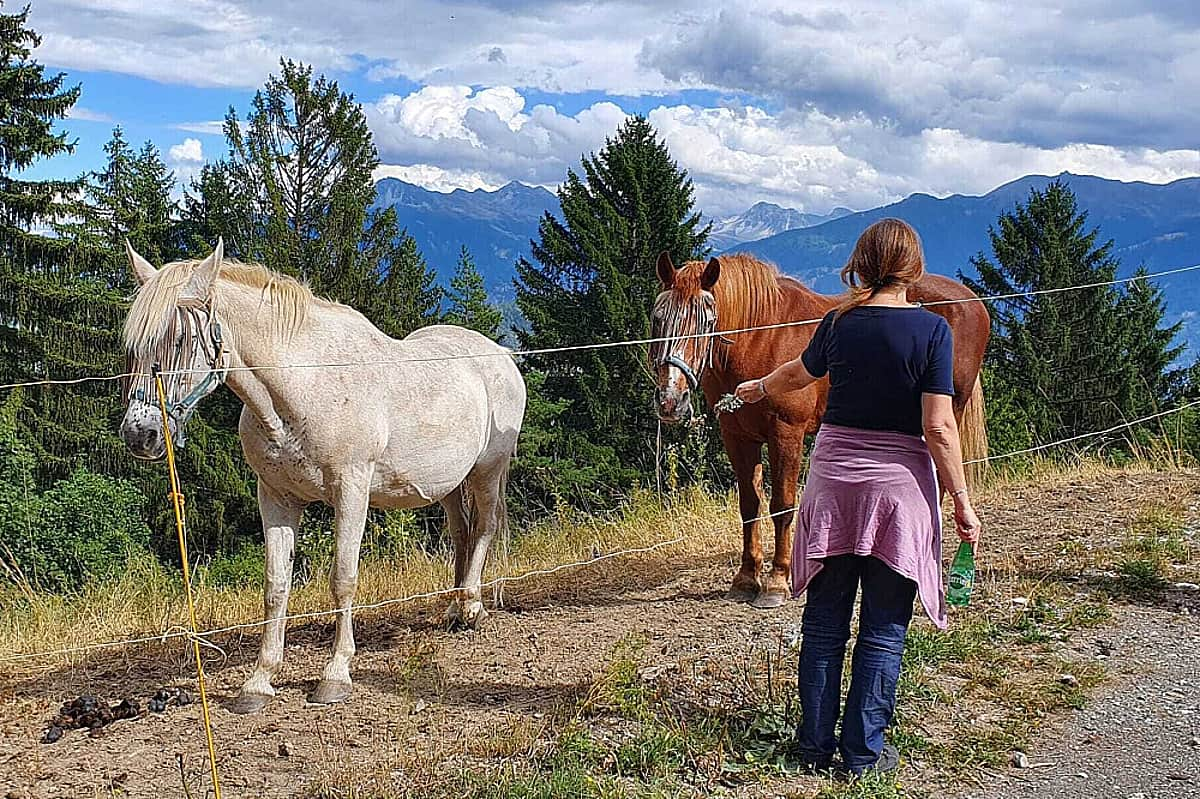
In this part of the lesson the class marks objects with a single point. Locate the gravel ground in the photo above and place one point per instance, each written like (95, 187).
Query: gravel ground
(1137, 739)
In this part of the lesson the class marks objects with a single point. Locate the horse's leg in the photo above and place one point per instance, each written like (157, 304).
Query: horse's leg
(746, 458)
(487, 515)
(785, 449)
(350, 517)
(279, 519)
(456, 526)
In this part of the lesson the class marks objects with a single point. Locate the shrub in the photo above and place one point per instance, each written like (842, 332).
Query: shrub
(84, 528)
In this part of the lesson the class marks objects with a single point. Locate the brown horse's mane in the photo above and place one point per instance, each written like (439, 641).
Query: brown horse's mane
(747, 292)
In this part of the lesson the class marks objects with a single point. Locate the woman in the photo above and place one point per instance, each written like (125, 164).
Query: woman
(870, 512)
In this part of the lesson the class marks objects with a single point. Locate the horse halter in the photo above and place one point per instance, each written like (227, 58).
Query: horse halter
(195, 333)
(670, 322)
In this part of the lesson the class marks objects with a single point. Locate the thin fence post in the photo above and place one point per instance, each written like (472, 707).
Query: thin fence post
(177, 504)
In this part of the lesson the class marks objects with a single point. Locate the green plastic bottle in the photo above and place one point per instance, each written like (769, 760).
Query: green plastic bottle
(962, 576)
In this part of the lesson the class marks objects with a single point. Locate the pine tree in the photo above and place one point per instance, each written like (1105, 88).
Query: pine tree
(214, 207)
(468, 298)
(30, 104)
(302, 164)
(1070, 362)
(130, 198)
(58, 318)
(593, 279)
(1151, 349)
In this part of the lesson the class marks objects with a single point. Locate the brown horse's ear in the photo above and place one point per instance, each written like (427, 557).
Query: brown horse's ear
(666, 269)
(712, 273)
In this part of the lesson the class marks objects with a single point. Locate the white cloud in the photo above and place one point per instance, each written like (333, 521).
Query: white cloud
(1054, 73)
(1059, 71)
(188, 151)
(435, 178)
(487, 134)
(452, 137)
(83, 114)
(186, 159)
(211, 128)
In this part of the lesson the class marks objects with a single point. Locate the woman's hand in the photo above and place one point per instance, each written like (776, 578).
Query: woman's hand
(751, 391)
(966, 520)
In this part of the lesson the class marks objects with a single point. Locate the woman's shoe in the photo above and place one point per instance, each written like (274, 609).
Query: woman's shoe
(887, 763)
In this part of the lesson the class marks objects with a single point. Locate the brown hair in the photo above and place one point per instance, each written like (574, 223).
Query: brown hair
(887, 253)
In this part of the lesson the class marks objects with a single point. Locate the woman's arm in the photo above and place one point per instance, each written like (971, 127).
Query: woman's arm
(941, 434)
(791, 376)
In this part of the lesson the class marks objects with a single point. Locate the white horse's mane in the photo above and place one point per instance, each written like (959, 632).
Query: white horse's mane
(153, 308)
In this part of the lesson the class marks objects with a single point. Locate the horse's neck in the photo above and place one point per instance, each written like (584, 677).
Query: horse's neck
(750, 353)
(252, 338)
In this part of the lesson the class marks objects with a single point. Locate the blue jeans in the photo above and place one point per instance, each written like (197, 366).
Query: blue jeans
(887, 608)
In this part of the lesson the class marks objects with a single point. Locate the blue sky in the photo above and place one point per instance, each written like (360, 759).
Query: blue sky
(808, 105)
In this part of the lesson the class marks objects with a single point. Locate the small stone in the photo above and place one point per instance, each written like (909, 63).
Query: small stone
(1019, 601)
(285, 749)
(420, 706)
(52, 734)
(1019, 760)
(1069, 680)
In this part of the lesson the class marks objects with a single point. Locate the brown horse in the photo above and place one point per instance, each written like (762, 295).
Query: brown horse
(735, 292)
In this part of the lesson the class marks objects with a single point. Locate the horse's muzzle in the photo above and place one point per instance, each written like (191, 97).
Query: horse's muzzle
(673, 406)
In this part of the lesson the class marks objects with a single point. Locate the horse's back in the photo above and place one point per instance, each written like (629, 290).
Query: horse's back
(969, 323)
(461, 353)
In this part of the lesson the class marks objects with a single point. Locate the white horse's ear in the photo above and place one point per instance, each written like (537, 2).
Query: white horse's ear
(200, 285)
(142, 269)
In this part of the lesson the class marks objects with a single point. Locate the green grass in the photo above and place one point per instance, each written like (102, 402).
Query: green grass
(871, 786)
(1155, 541)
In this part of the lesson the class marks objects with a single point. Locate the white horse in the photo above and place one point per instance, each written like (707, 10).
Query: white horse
(431, 418)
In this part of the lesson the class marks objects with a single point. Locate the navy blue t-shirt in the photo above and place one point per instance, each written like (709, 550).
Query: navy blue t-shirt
(880, 361)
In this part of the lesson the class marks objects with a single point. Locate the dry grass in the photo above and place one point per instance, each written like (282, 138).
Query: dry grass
(148, 599)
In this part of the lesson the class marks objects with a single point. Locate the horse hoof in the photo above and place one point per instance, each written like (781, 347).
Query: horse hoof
(458, 619)
(742, 594)
(245, 703)
(769, 600)
(329, 692)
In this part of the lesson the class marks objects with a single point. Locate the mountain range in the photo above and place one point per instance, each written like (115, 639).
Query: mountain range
(1151, 225)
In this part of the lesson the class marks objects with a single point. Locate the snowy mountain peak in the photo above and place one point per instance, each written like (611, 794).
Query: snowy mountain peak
(764, 219)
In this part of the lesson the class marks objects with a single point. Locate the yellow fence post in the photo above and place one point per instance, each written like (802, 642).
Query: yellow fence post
(177, 503)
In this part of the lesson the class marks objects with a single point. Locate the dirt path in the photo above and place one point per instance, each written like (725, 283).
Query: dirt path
(1139, 736)
(427, 701)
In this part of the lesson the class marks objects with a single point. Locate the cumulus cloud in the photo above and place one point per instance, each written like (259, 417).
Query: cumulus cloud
(446, 137)
(186, 159)
(435, 178)
(188, 151)
(488, 133)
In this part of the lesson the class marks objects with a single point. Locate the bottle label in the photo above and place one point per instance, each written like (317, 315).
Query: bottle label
(959, 582)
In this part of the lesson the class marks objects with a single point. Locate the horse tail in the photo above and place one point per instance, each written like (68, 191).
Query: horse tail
(973, 432)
